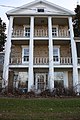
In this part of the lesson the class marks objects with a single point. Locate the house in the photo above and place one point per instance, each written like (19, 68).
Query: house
(41, 51)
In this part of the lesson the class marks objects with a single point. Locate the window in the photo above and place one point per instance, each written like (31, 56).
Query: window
(40, 10)
(25, 55)
(58, 79)
(56, 54)
(21, 81)
(27, 32)
(55, 31)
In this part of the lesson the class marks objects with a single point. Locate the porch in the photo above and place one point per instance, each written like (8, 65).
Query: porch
(42, 61)
(40, 33)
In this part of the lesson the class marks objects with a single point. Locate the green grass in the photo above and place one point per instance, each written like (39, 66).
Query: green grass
(40, 109)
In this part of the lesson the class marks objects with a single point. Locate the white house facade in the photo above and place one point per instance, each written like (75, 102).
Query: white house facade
(40, 50)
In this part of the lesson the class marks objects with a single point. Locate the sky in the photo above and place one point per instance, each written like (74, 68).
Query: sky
(69, 4)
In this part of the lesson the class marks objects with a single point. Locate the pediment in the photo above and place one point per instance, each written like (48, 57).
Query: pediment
(31, 9)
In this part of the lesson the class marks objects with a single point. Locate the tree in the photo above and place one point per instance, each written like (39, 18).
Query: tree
(77, 22)
(2, 34)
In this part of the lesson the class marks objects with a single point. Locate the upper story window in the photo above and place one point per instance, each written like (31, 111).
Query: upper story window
(27, 31)
(56, 54)
(25, 54)
(54, 31)
(40, 10)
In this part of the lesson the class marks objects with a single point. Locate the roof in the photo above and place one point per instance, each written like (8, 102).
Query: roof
(30, 9)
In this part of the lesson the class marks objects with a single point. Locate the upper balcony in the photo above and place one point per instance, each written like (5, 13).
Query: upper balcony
(42, 61)
(60, 33)
(21, 28)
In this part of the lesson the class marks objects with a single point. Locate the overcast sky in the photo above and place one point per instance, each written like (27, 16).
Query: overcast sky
(69, 4)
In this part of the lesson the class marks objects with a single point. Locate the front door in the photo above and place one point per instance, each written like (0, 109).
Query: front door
(40, 81)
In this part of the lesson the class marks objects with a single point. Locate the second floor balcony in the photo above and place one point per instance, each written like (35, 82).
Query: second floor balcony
(61, 33)
(42, 61)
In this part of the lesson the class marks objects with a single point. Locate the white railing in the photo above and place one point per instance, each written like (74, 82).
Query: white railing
(63, 33)
(41, 60)
(16, 60)
(18, 33)
(44, 60)
(59, 61)
(40, 33)
(66, 60)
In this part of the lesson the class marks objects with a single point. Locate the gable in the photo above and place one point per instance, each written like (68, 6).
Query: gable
(32, 9)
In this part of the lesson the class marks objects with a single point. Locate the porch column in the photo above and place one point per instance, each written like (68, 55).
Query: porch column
(7, 54)
(51, 67)
(30, 81)
(74, 54)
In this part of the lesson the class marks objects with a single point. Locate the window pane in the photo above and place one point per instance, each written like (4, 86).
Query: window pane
(26, 51)
(27, 32)
(25, 54)
(54, 32)
(55, 51)
(58, 79)
(58, 84)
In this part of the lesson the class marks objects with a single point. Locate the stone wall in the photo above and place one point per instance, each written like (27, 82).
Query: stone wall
(65, 51)
(41, 51)
(16, 51)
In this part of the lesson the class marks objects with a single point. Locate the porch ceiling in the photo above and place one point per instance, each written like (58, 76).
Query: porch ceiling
(41, 42)
(61, 42)
(21, 21)
(39, 21)
(20, 42)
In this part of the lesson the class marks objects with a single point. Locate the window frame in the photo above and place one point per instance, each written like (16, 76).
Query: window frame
(59, 78)
(58, 54)
(56, 27)
(23, 48)
(26, 32)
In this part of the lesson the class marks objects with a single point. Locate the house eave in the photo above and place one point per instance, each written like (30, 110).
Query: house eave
(23, 15)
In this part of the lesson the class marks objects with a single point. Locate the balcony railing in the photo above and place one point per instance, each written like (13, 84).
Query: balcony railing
(43, 61)
(40, 33)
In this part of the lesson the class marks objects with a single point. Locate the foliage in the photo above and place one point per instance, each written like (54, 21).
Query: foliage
(2, 34)
(40, 109)
(77, 22)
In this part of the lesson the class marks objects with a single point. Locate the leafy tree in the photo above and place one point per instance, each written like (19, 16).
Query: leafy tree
(2, 34)
(77, 22)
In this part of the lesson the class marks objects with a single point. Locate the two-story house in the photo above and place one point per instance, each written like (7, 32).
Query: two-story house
(40, 50)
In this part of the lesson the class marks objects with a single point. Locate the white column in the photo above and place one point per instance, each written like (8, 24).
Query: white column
(31, 77)
(74, 53)
(65, 79)
(7, 54)
(51, 67)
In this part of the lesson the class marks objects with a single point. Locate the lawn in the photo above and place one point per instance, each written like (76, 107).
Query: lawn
(40, 109)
